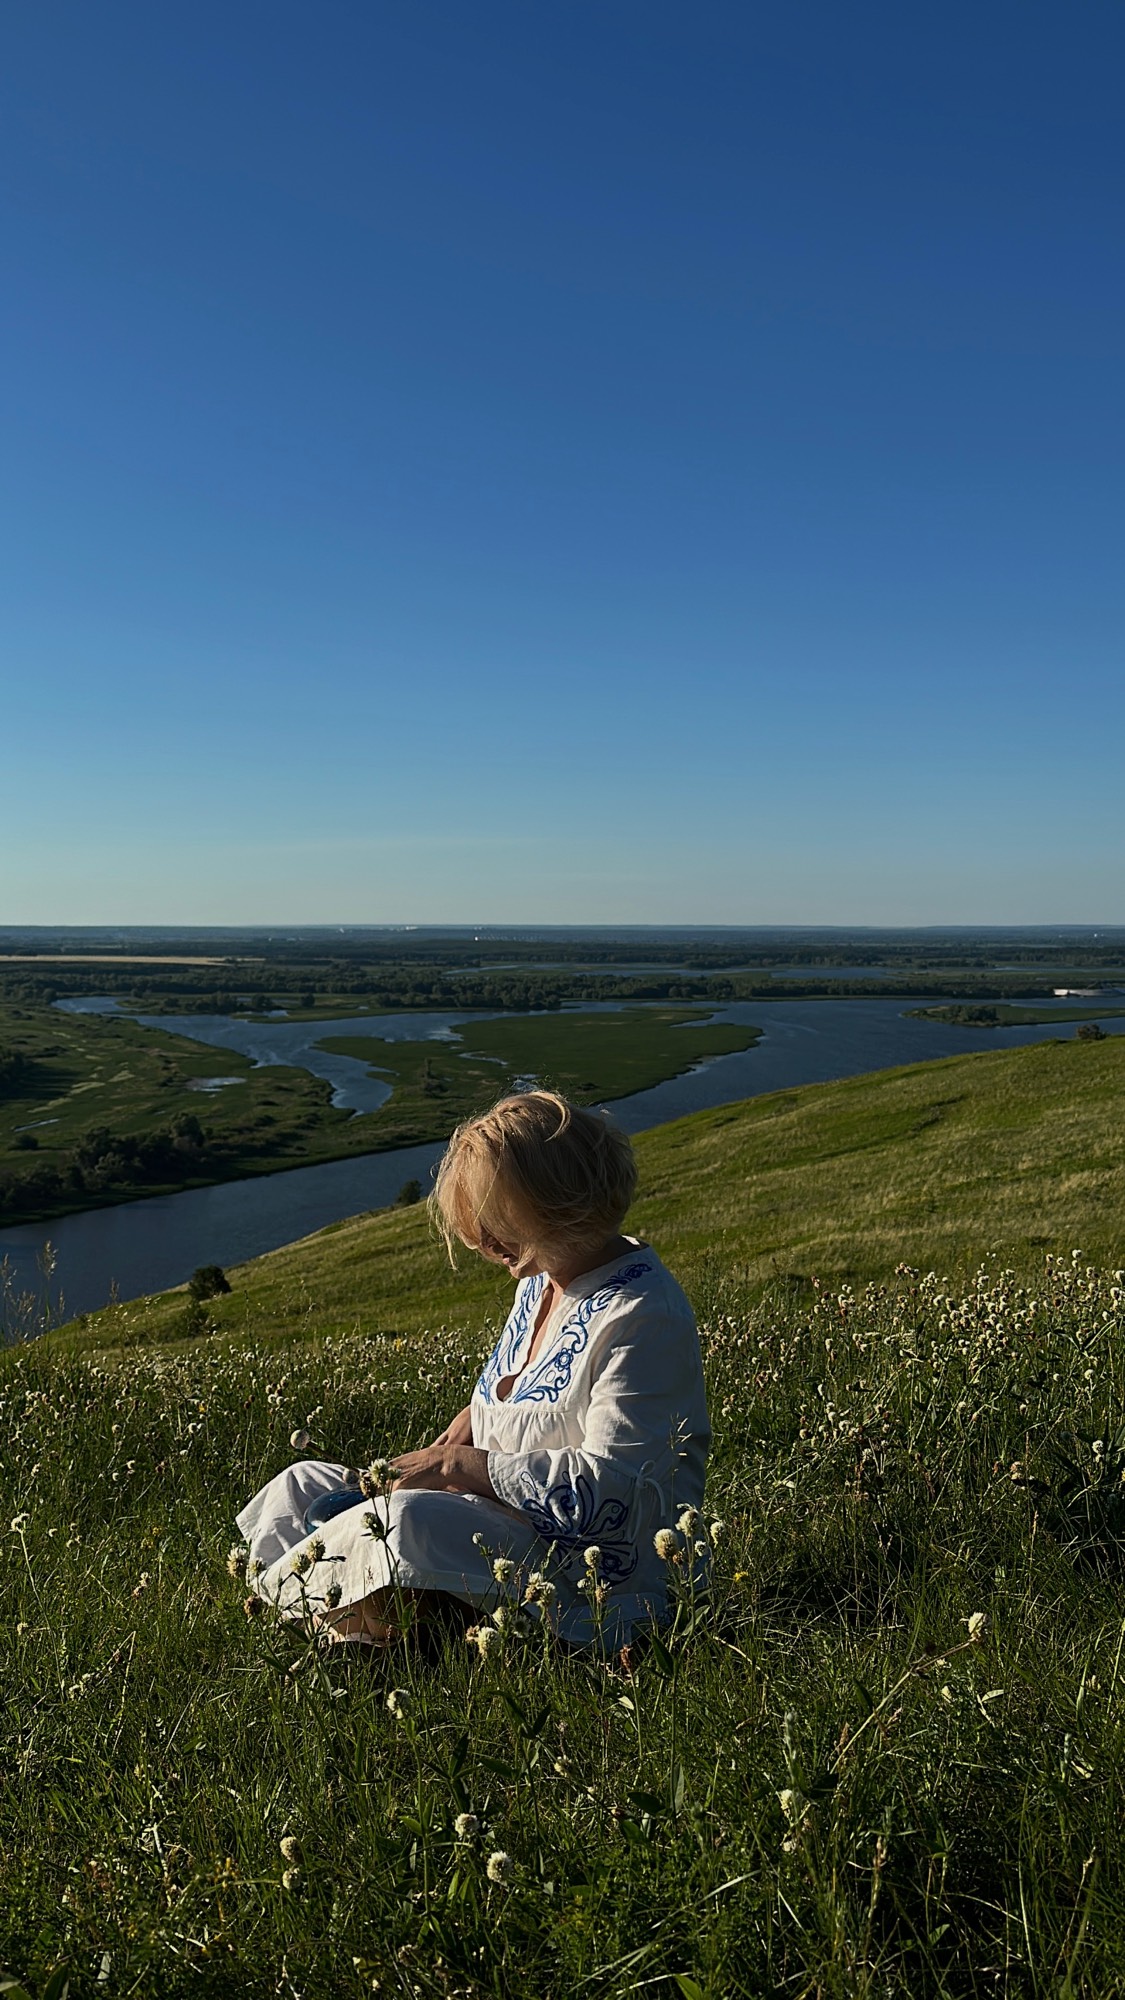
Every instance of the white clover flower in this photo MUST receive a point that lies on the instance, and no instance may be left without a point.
(687, 1522)
(301, 1564)
(300, 1440)
(978, 1625)
(20, 1523)
(793, 1803)
(666, 1543)
(592, 1557)
(487, 1640)
(539, 1589)
(466, 1826)
(702, 1548)
(291, 1850)
(399, 1704)
(376, 1477)
(316, 1548)
(500, 1867)
(478, 1540)
(502, 1568)
(291, 1879)
(717, 1531)
(332, 1596)
(236, 1560)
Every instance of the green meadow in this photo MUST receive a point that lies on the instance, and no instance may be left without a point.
(589, 1057)
(883, 1757)
(97, 1109)
(1002, 1014)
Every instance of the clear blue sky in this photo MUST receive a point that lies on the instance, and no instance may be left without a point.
(574, 460)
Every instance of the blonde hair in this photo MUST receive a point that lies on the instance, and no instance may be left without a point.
(536, 1171)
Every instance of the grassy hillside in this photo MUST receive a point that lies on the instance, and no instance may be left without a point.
(882, 1760)
(935, 1165)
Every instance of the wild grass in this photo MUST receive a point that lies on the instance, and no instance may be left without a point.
(884, 1758)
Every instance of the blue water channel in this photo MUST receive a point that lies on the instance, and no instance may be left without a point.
(138, 1247)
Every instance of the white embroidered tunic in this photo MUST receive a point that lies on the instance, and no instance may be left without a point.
(599, 1442)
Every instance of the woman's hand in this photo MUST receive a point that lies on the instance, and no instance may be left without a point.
(443, 1468)
(460, 1431)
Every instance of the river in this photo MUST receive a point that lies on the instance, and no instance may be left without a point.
(145, 1246)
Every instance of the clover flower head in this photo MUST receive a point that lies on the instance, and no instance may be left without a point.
(398, 1704)
(20, 1523)
(300, 1439)
(486, 1640)
(376, 1477)
(502, 1568)
(592, 1557)
(539, 1589)
(500, 1867)
(316, 1548)
(291, 1850)
(717, 1530)
(978, 1625)
(688, 1522)
(332, 1596)
(666, 1543)
(466, 1825)
(291, 1879)
(236, 1560)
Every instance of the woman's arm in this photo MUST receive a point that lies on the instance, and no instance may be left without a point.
(444, 1468)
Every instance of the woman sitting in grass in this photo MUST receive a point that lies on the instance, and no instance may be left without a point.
(586, 1434)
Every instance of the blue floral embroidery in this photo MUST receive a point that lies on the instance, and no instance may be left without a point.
(545, 1382)
(500, 1361)
(570, 1517)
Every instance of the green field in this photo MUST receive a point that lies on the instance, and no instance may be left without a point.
(85, 1089)
(1015, 1152)
(1001, 1015)
(589, 1057)
(823, 1782)
(93, 1107)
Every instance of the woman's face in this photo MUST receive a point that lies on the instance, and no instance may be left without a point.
(521, 1260)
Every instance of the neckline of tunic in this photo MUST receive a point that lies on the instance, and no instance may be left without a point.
(579, 1287)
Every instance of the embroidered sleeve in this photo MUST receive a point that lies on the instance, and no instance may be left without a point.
(602, 1490)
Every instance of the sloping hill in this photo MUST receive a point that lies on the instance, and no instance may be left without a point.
(1013, 1152)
